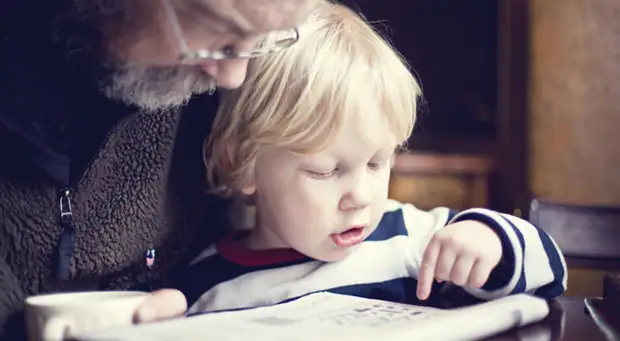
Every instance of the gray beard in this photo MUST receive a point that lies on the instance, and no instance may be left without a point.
(154, 88)
(151, 88)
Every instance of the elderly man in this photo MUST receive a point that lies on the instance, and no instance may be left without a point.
(103, 108)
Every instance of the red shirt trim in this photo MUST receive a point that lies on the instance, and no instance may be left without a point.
(232, 250)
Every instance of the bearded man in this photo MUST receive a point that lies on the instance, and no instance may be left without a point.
(104, 105)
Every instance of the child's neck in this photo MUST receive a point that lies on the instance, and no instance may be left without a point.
(262, 239)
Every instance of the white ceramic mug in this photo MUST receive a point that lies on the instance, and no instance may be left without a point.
(55, 317)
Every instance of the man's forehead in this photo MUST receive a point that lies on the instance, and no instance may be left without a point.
(258, 16)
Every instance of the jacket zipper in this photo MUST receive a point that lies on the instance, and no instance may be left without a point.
(65, 249)
(66, 243)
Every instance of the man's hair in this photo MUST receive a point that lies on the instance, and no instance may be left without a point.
(299, 98)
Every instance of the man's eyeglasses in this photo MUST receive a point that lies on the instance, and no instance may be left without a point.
(266, 44)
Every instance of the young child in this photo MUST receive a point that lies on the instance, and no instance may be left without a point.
(310, 138)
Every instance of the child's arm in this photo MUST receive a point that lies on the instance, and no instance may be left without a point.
(522, 257)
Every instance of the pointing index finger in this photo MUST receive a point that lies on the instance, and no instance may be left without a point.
(426, 275)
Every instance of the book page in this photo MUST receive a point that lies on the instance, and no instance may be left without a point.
(340, 312)
(327, 316)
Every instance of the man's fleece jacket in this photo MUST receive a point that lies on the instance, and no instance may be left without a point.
(135, 179)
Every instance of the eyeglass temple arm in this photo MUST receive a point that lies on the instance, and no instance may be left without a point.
(176, 26)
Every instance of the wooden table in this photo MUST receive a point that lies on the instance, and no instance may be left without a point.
(568, 321)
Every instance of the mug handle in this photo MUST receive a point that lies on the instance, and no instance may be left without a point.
(57, 328)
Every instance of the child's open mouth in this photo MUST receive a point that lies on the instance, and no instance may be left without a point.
(350, 237)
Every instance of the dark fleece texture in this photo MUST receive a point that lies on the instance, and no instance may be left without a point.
(135, 194)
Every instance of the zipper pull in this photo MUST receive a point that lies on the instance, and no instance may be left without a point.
(67, 240)
(150, 257)
(66, 213)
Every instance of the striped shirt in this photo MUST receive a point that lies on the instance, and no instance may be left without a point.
(227, 276)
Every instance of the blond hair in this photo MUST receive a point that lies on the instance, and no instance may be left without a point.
(299, 98)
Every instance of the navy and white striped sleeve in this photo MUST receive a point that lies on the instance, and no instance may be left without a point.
(532, 262)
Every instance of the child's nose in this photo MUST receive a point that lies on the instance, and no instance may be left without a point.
(358, 198)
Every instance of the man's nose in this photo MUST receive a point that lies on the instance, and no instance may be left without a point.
(228, 74)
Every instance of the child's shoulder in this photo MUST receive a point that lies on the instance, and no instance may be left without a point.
(410, 213)
(402, 218)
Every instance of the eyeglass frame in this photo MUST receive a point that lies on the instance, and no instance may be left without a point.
(190, 57)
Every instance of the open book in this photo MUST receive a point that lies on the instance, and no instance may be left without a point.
(326, 316)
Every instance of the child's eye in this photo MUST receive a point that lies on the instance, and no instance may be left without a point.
(376, 165)
(322, 175)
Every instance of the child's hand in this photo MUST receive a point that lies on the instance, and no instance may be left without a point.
(463, 253)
